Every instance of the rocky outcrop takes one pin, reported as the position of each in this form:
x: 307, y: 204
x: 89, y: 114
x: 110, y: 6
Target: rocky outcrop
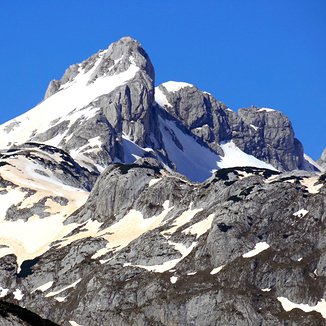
x: 322, y: 160
x: 268, y: 135
x: 86, y: 239
x: 198, y: 111
x: 118, y: 112
x: 127, y: 108
x: 264, y: 133
x: 53, y: 160
x: 189, y: 259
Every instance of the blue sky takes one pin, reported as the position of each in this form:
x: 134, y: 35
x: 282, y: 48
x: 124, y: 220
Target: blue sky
x: 245, y: 52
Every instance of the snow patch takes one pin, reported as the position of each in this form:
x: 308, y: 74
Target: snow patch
x: 234, y: 156
x: 73, y: 323
x: 160, y: 98
x: 130, y: 227
x: 60, y: 299
x: 3, y: 292
x: 201, y: 227
x: 183, y: 219
x: 265, y: 110
x: 313, y: 163
x: 18, y: 295
x: 259, y: 247
x: 132, y: 152
x: 173, y: 279
x: 167, y: 266
x: 289, y: 305
x: 44, y: 287
x: 52, y: 294
x: 154, y: 181
x: 309, y: 183
x: 173, y: 86
x: 216, y: 270
x: 266, y: 290
x: 301, y: 213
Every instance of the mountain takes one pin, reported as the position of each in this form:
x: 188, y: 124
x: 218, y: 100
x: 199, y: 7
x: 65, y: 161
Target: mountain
x: 126, y: 204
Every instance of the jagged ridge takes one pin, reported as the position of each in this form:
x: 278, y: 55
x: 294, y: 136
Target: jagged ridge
x: 88, y: 239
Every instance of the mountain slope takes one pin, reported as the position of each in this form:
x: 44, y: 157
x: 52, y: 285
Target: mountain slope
x: 107, y: 101
x: 150, y: 243
x: 125, y: 204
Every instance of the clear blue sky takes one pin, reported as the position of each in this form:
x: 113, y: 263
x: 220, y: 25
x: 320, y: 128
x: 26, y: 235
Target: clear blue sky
x: 267, y: 53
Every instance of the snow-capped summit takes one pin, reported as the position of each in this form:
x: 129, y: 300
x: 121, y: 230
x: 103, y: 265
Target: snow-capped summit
x: 103, y: 110
x: 125, y: 204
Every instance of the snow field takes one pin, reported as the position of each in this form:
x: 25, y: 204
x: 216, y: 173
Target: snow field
x: 197, y: 162
x: 32, y: 238
x: 66, y: 104
x: 201, y: 227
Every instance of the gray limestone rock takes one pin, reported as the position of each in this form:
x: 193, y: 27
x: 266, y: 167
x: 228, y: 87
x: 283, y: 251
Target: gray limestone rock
x: 269, y: 136
x: 247, y: 210
x: 52, y: 88
x: 189, y: 259
x: 264, y: 133
x: 250, y: 206
x: 322, y: 160
x: 200, y: 113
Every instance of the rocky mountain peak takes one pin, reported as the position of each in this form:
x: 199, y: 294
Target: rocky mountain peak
x: 121, y: 208
x: 115, y: 60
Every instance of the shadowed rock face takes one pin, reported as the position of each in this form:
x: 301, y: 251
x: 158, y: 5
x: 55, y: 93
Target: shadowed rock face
x: 97, y: 227
x: 13, y: 315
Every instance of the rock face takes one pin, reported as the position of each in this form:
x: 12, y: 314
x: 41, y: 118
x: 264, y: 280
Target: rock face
x: 264, y: 133
x: 268, y: 135
x: 106, y: 110
x: 167, y: 251
x: 322, y: 160
x: 125, y: 204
